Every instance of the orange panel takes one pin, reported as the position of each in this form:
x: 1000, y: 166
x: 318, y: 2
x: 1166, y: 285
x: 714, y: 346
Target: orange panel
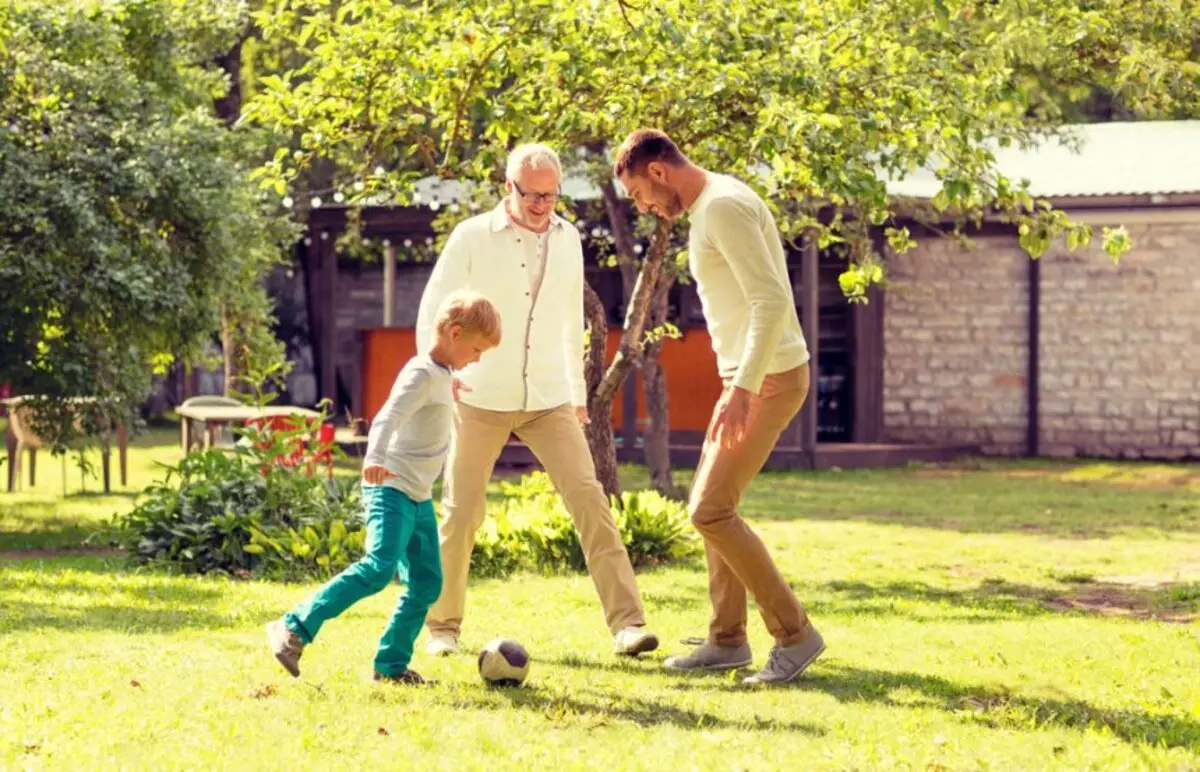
x: 691, y: 366
x: 384, y: 352
x: 693, y: 384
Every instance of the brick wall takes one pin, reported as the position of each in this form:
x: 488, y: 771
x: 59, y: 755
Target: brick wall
x: 955, y: 345
x: 1120, y: 347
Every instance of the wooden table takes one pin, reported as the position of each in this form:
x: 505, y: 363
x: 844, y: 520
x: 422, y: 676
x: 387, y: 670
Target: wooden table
x: 213, y: 416
x: 19, y: 437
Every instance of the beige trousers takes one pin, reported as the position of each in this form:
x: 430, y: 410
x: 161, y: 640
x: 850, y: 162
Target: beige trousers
x: 737, y: 558
x: 557, y: 439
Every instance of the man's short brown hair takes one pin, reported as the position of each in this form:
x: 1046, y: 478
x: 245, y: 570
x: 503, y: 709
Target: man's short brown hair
x: 644, y: 146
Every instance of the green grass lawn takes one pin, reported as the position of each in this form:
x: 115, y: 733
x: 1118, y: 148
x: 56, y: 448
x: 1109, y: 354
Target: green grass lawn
x: 991, y: 615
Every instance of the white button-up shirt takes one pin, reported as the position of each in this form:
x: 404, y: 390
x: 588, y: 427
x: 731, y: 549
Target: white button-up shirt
x: 539, y: 363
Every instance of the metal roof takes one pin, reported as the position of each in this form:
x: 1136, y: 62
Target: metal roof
x: 1114, y: 159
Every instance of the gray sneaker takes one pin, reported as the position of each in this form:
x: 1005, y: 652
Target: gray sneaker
x: 709, y: 656
x: 285, y: 645
x: 785, y: 663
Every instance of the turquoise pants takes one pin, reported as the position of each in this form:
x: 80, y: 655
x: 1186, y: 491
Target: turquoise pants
x: 402, y: 539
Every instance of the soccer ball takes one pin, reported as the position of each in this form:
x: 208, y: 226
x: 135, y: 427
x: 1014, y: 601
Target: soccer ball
x: 503, y: 662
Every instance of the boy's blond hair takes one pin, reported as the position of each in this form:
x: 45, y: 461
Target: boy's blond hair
x: 472, y: 312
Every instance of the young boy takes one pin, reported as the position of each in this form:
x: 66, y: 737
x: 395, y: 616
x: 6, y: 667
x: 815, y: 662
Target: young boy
x: 406, y: 449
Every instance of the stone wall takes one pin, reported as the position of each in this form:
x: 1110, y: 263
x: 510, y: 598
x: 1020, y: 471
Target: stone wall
x: 956, y: 345
x: 1119, y: 353
x: 1120, y: 348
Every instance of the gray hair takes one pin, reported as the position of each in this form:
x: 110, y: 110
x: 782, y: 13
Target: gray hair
x: 531, y: 156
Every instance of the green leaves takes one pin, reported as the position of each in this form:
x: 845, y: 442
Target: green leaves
x: 126, y: 222
x: 1116, y: 242
x: 234, y: 514
x: 531, y: 530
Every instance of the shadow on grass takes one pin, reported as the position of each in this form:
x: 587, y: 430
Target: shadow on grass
x: 592, y: 708
x: 995, y: 599
x: 990, y: 601
x: 94, y: 598
x: 677, y: 602
x: 128, y: 620
x: 58, y: 522
x: 648, y: 664
x: 993, y: 707
x: 973, y: 501
x: 999, y: 708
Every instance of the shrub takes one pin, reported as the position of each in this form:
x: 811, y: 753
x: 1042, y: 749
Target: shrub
x: 243, y: 513
x: 238, y: 514
x: 531, y: 530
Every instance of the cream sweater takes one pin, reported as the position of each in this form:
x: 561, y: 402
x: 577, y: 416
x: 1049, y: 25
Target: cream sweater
x: 539, y: 363
x: 737, y: 258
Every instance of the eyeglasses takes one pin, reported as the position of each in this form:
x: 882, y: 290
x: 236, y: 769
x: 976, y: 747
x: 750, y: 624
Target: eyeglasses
x: 540, y: 198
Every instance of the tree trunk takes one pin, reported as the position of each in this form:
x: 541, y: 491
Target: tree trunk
x: 603, y: 389
x: 657, y: 438
x: 229, y: 106
x: 618, y: 219
x: 229, y: 109
x: 599, y: 432
x: 229, y: 348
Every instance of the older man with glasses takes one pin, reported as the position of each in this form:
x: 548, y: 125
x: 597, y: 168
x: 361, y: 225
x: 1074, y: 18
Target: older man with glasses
x: 529, y: 263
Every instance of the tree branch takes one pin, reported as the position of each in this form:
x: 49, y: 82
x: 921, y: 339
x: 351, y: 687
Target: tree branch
x: 630, y: 349
x: 625, y: 7
x: 622, y: 235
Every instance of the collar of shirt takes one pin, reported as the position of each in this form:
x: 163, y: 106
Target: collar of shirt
x: 501, y: 219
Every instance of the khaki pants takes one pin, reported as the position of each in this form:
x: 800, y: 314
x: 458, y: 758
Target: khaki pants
x: 737, y: 559
x: 557, y: 439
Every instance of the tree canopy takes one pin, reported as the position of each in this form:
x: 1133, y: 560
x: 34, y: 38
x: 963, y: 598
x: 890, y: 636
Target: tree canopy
x: 817, y: 104
x: 127, y: 219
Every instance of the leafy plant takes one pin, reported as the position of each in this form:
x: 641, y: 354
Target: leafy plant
x: 246, y: 514
x: 250, y: 512
x: 531, y: 530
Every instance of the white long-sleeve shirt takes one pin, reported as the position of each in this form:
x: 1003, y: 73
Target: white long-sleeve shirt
x: 539, y: 363
x: 736, y: 255
x: 410, y: 435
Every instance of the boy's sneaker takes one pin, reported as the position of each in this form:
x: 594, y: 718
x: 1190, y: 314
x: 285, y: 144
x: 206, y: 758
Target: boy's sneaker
x: 785, y: 663
x: 285, y: 645
x: 634, y: 640
x: 442, y: 645
x: 407, y: 678
x: 709, y: 656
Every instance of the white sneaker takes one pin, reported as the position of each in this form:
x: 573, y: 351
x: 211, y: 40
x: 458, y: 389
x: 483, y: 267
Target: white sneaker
x: 634, y: 640
x: 442, y: 645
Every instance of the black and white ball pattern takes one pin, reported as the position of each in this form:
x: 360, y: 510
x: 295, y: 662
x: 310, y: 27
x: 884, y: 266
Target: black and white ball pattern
x: 503, y: 662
